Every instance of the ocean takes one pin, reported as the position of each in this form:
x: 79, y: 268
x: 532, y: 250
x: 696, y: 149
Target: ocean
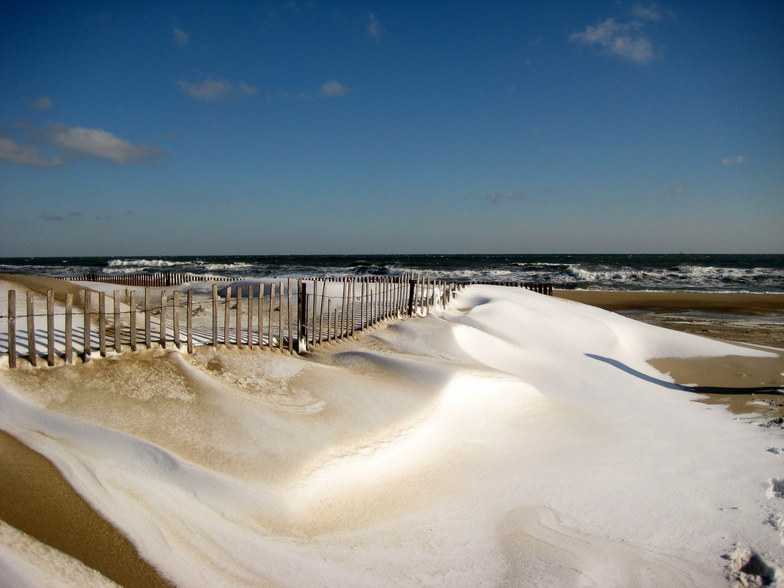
x: 707, y: 273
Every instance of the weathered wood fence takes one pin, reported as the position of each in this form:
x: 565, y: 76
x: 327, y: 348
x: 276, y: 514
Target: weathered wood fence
x: 152, y: 280
x: 292, y: 315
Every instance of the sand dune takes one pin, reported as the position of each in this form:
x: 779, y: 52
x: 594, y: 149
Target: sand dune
x: 514, y: 439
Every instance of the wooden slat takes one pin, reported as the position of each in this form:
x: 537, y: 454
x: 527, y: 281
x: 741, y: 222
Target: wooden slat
x: 102, y: 323
x: 162, y: 323
x: 12, y: 328
x: 87, y: 343
x: 189, y: 322
x: 226, y: 316
x: 32, y: 353
x: 117, y: 323
x: 215, y: 315
x: 50, y: 327
x: 176, y: 317
x: 69, y: 328
x: 147, y: 319
x: 132, y: 318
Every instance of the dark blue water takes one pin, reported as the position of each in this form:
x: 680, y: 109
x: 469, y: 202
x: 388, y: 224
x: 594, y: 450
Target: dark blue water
x: 730, y: 273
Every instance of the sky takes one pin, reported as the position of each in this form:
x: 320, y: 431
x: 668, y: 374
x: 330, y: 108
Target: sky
x: 197, y: 128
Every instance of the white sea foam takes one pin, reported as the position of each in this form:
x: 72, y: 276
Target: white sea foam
x: 513, y: 439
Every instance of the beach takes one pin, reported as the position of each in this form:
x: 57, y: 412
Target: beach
x: 508, y: 438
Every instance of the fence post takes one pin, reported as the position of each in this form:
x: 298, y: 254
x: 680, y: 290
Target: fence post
x: 215, y: 316
x: 226, y: 315
x: 147, y: 323
x: 32, y: 354
x: 261, y: 315
x: 329, y: 321
x: 238, y: 319
x: 69, y: 328
x: 50, y: 327
x: 189, y: 321
x: 117, y: 328
x: 280, y: 316
x: 321, y: 314
x: 162, y: 323
x: 176, y: 317
x: 132, y: 318
x: 102, y: 323
x: 302, y: 318
x: 411, y: 288
x: 12, y: 328
x: 271, y: 315
x: 289, y: 317
x: 87, y: 344
x: 250, y: 317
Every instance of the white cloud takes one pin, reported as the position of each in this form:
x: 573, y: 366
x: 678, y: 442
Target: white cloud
x: 208, y: 90
x: 737, y: 160
x: 10, y: 151
x: 333, y: 89
x: 677, y: 191
x: 373, y: 27
x: 42, y: 103
x: 650, y: 13
x: 101, y: 144
x: 181, y: 37
x: 216, y: 90
x: 247, y: 89
x: 625, y: 40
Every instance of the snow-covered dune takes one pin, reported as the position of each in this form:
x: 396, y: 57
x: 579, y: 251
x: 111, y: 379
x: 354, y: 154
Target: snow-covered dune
x: 514, y: 439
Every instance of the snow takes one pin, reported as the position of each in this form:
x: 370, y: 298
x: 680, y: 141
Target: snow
x: 512, y: 439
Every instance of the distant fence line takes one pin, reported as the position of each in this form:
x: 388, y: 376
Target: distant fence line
x: 283, y: 315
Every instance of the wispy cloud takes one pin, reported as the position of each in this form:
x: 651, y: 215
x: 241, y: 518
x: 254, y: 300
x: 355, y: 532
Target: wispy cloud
x: 50, y: 216
x: 216, y: 90
x: 181, y: 38
x: 373, y: 27
x: 333, y: 89
x: 42, y: 103
x: 30, y: 156
x: 650, y: 13
x: 501, y: 196
x: 81, y: 141
x: 677, y: 191
x: 737, y: 160
x: 626, y: 40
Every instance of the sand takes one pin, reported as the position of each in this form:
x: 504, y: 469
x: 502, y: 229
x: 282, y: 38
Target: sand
x: 35, y: 498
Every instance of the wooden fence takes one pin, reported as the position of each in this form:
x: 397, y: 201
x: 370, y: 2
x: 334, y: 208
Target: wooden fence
x: 292, y: 315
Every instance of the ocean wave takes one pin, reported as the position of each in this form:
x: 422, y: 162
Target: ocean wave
x: 143, y: 263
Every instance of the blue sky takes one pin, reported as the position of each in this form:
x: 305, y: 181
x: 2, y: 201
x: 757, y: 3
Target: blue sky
x: 166, y: 128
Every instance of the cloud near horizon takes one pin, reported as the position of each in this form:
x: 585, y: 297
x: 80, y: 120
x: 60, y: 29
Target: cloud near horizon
x: 737, y: 160
x: 30, y: 156
x: 50, y: 216
x: 42, y: 103
x: 625, y: 40
x: 81, y: 141
x: 373, y: 27
x: 333, y: 89
x: 181, y: 37
x: 498, y: 196
x: 216, y: 90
